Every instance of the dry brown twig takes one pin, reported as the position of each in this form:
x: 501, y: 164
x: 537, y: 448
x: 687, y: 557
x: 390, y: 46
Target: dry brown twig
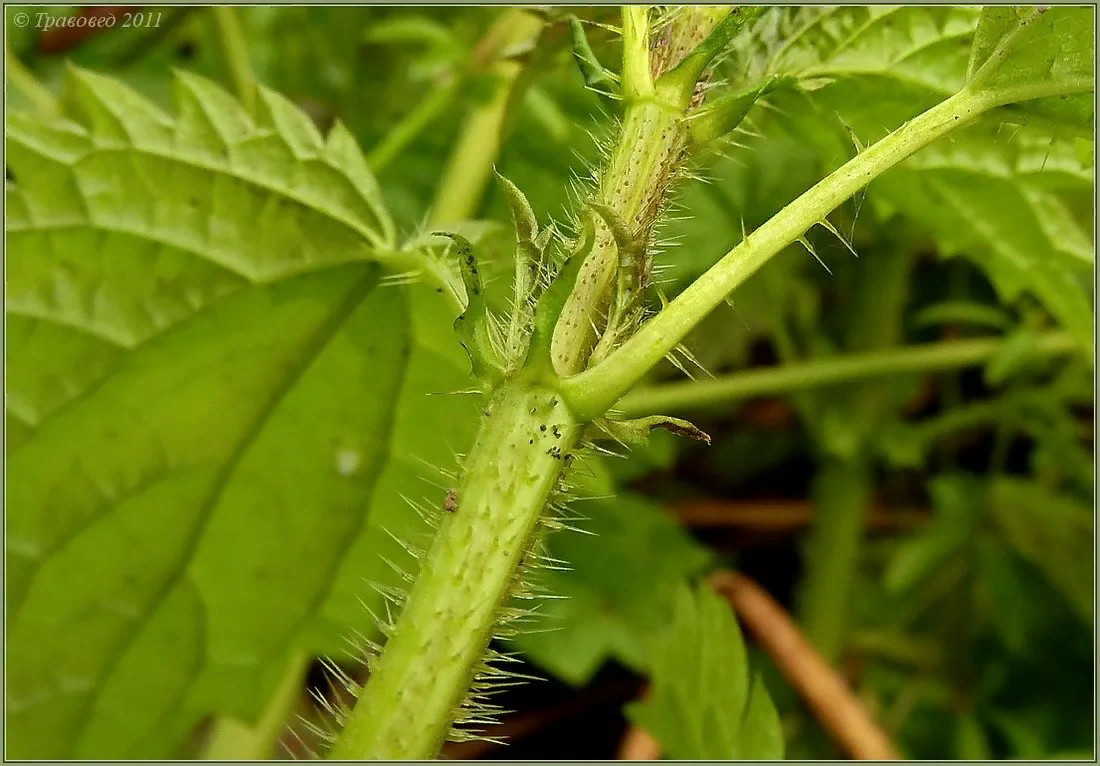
x: 779, y: 515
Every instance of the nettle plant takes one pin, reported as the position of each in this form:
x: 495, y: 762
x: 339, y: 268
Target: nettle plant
x: 220, y: 350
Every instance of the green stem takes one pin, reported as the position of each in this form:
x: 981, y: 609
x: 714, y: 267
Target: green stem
x: 414, y: 693
x: 35, y: 92
x: 597, y: 389
x: 842, y: 495
x: 232, y: 740
x: 412, y: 124
x: 470, y: 165
x: 802, y: 376
x: 235, y: 53
x: 652, y: 136
x: 637, y: 79
x: 843, y: 489
x: 646, y: 159
x: 525, y: 441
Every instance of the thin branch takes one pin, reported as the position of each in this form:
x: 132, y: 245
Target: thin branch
x: 477, y: 147
x: 779, y: 515
x: 594, y: 391
x: 235, y: 53
x: 800, y: 376
x: 639, y: 745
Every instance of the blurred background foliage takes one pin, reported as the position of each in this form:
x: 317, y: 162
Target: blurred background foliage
x: 959, y: 603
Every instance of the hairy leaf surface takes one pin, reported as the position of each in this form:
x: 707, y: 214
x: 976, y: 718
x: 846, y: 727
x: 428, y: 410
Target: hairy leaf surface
x: 1011, y: 192
x: 216, y: 407
x: 876, y: 66
x: 1044, y: 57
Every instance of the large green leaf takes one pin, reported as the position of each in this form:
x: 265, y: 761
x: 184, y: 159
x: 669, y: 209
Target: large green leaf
x: 702, y: 702
x: 879, y: 65
x: 875, y: 66
x: 1017, y: 200
x: 214, y: 407
x: 1017, y: 205
x: 1042, y: 56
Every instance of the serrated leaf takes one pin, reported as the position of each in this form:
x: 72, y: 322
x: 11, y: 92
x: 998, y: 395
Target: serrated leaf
x: 880, y: 65
x: 1009, y: 206
x: 1037, y: 53
x: 914, y: 44
x: 876, y: 65
x: 218, y: 409
x: 701, y: 704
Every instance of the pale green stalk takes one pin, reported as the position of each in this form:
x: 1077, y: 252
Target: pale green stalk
x: 523, y: 446
x: 643, y: 163
x: 841, y: 496
x: 470, y: 165
x: 698, y: 395
x: 636, y: 76
x: 845, y: 483
x: 235, y: 53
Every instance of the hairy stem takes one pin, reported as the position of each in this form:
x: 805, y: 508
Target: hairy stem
x: 700, y: 395
x: 470, y: 165
x: 415, y: 690
x: 440, y: 640
x: 235, y: 53
x: 597, y: 389
x: 647, y: 158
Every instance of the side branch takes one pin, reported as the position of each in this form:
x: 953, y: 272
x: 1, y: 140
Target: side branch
x: 594, y: 391
x: 768, y: 381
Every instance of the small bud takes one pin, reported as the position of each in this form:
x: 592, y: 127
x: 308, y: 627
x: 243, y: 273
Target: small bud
x: 637, y: 431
